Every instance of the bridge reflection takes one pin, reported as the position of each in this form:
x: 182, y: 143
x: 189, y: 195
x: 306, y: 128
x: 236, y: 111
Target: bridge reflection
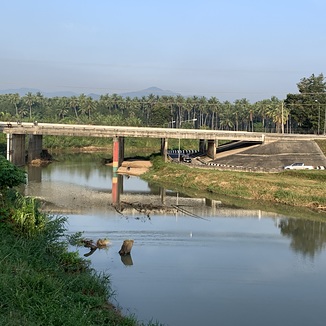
x: 73, y: 198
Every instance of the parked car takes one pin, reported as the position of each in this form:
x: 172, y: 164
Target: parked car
x: 298, y: 166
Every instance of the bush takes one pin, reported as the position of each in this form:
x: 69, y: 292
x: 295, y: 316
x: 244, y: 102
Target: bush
x: 10, y: 175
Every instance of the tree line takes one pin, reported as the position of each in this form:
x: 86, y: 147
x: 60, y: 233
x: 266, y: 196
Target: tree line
x: 304, y: 112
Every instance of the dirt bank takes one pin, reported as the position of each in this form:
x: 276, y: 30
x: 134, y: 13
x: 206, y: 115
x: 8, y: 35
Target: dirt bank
x: 134, y: 167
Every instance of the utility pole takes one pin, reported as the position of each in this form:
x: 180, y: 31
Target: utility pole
x: 325, y: 121
x: 318, y: 127
x: 282, y: 119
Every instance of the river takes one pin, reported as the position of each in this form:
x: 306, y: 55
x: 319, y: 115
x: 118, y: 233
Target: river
x: 194, y: 261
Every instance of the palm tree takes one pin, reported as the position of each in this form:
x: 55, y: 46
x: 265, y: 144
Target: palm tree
x: 151, y: 100
x: 105, y: 101
x: 22, y: 112
x: 90, y: 105
x: 15, y: 100
x: 180, y: 102
x: 214, y: 104
x: 116, y: 101
x: 30, y: 100
x: 203, y: 111
x: 278, y: 113
x: 73, y: 104
x: 262, y: 108
x: 226, y: 122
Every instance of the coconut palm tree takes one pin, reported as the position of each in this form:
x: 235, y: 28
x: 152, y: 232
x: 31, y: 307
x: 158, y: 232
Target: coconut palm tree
x: 214, y: 105
x: 29, y: 100
x: 90, y: 105
x: 73, y: 104
x: 227, y: 122
x: 278, y: 113
x: 62, y: 108
x: 14, y: 99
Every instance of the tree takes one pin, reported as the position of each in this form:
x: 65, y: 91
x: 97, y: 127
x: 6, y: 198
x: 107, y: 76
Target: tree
x: 305, y: 107
x: 14, y: 99
x: 214, y: 105
x: 90, y: 106
x: 278, y: 113
x: 62, y: 108
x: 226, y: 122
x: 312, y: 85
x: 29, y: 100
x: 160, y: 115
x: 73, y: 104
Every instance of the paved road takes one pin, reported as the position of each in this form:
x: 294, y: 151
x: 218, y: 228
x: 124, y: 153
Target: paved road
x: 274, y: 155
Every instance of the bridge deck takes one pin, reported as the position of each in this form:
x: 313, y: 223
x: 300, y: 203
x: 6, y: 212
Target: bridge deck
x: 144, y: 132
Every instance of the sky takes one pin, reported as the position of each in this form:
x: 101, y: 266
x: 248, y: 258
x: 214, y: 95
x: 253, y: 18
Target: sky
x: 230, y: 49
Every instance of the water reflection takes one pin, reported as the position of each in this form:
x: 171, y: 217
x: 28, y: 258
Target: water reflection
x: 206, y: 263
x: 133, y: 198
x: 127, y: 260
x: 307, y: 237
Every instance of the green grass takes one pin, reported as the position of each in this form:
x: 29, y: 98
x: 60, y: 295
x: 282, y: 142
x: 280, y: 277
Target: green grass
x: 305, y: 189
x: 41, y: 282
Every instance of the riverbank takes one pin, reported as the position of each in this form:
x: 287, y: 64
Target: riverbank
x: 42, y: 282
x: 294, y: 188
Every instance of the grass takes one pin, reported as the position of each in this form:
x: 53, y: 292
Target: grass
x: 41, y: 282
x: 293, y: 188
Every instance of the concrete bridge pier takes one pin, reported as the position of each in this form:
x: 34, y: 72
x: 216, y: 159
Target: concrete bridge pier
x: 164, y: 149
x: 35, y: 145
x: 211, y: 148
x: 208, y: 148
x: 118, y: 157
x: 16, y: 149
x: 117, y: 188
x: 118, y: 152
x: 202, y: 146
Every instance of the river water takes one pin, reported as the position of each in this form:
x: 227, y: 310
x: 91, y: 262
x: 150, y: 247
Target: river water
x: 196, y: 262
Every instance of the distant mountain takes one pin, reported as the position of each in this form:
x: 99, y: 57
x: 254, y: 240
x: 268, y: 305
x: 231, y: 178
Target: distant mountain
x: 145, y: 92
x: 20, y: 91
x: 24, y: 91
x: 148, y: 91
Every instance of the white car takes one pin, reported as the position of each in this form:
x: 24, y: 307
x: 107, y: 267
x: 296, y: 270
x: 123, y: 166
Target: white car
x: 298, y: 166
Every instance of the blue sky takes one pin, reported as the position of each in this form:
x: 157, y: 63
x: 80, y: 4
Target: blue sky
x: 230, y: 49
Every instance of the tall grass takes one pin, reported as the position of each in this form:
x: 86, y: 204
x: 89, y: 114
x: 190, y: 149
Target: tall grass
x: 27, y: 216
x: 41, y: 282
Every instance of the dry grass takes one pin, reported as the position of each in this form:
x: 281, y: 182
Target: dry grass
x: 295, y: 188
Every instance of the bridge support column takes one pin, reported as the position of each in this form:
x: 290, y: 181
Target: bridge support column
x: 117, y: 186
x: 164, y: 149
x: 34, y: 147
x: 16, y: 149
x: 118, y: 152
x: 211, y: 148
x: 202, y: 146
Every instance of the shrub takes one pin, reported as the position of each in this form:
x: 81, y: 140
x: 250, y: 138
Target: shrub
x: 10, y: 175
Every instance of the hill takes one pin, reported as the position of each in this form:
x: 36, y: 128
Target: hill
x: 145, y: 92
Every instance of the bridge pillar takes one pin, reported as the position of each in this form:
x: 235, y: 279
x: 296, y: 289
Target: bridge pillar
x: 202, y: 146
x: 118, y: 153
x: 34, y: 147
x: 16, y: 149
x: 164, y: 149
x: 211, y: 148
x: 117, y: 188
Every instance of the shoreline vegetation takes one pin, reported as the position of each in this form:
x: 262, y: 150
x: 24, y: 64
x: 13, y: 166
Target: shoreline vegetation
x: 41, y: 281
x: 304, y: 188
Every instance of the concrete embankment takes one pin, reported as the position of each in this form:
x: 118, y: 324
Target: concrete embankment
x: 273, y: 155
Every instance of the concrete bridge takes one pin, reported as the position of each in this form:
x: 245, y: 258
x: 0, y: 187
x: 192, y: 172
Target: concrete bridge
x: 208, y: 139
